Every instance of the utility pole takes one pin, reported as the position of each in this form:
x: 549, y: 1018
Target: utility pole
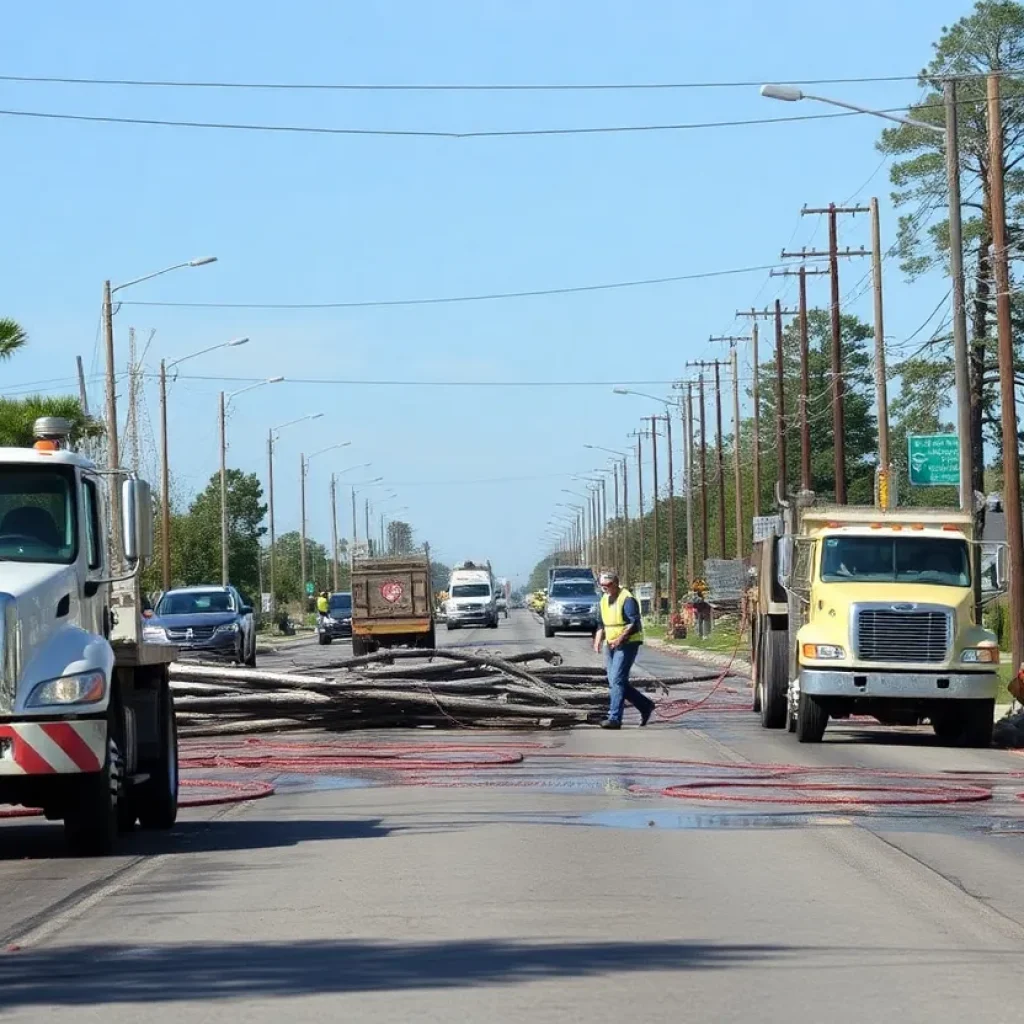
x: 639, y: 435
x: 688, y: 449
x: 657, y: 550
x: 756, y: 395
x: 881, y: 390
x: 780, y: 398
x: 716, y: 365
x: 805, y: 374
x: 1011, y: 453
x: 334, y: 532
x: 302, y: 531
x: 704, y: 545
x: 838, y: 387
x: 673, y: 582
x: 165, y: 484
x: 113, y: 453
x: 961, y: 369
x: 737, y: 468
x: 269, y: 503
x: 625, y: 521
x: 83, y: 395
x: 355, y: 524
x: 617, y: 540
x: 223, y: 495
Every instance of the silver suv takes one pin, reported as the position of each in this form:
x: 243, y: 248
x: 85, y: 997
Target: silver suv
x: 572, y: 605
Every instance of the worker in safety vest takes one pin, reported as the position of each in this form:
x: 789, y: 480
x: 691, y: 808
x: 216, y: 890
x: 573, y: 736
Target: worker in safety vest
x: 323, y: 605
x: 623, y: 634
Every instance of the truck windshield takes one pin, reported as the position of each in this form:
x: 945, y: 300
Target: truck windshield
x: 471, y: 590
x: 895, y: 560
x: 37, y: 514
x: 573, y: 590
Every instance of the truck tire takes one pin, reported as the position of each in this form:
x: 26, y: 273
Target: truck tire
x: 773, y: 679
x: 548, y: 632
x: 811, y: 719
x: 493, y: 624
x: 967, y: 724
x: 757, y: 654
x: 323, y: 639
x: 157, y: 799
x: 429, y: 642
x: 91, y: 820
x: 358, y: 646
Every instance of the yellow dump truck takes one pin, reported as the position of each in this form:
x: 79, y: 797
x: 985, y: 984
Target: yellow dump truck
x: 860, y: 611
x: 392, y: 604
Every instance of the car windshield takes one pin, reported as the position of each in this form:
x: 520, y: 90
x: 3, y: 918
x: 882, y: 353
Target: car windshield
x: 581, y: 589
x: 471, y: 590
x: 895, y: 560
x: 341, y: 604
x: 37, y: 514
x: 561, y: 574
x: 184, y: 602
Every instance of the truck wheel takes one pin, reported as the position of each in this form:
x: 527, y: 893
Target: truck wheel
x: 548, y: 632
x: 811, y: 719
x: 91, y: 821
x: 323, y: 639
x: 430, y: 640
x: 493, y: 624
x: 773, y: 678
x: 967, y: 723
x: 757, y: 671
x: 157, y: 799
x: 358, y: 646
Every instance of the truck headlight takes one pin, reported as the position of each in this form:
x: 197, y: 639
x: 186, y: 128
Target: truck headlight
x: 823, y: 652
x: 83, y: 688
x: 154, y: 634
x: 228, y: 627
x: 980, y: 656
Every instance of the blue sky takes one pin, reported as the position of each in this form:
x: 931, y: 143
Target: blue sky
x: 298, y: 218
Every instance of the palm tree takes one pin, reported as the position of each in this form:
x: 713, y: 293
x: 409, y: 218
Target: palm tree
x: 12, y: 337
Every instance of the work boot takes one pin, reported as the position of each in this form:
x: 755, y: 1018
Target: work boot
x: 645, y: 715
x: 609, y: 724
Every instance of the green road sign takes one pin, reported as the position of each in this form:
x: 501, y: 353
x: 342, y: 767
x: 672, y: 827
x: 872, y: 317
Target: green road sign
x: 309, y: 588
x: 934, y: 460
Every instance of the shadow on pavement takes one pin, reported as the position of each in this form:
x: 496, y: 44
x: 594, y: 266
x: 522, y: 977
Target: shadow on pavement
x: 84, y: 975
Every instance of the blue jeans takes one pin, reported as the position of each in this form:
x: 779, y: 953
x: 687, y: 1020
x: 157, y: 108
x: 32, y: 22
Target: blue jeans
x: 618, y: 663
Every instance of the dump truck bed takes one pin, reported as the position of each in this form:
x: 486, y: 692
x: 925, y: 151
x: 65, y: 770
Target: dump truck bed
x: 391, y: 597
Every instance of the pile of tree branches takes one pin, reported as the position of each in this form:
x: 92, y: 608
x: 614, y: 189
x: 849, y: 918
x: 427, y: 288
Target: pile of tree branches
x: 394, y: 688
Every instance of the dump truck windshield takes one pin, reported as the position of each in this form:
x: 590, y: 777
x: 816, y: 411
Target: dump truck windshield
x: 939, y: 561
x: 37, y: 514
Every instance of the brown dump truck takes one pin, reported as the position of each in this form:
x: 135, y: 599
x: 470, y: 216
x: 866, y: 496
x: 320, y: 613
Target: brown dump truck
x: 392, y: 603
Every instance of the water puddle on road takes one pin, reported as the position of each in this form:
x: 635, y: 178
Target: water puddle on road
x: 298, y: 783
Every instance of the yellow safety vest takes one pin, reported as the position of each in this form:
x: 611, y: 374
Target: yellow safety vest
x: 614, y: 621
x: 322, y: 605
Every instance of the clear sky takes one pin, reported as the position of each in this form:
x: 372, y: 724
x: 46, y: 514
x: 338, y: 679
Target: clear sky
x: 299, y: 218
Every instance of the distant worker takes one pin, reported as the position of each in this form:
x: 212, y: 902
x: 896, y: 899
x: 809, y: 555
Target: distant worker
x: 323, y: 605
x: 623, y: 632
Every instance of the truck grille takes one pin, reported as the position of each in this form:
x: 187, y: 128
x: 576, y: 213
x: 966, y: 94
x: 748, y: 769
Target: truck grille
x: 198, y: 633
x: 884, y: 634
x: 579, y: 609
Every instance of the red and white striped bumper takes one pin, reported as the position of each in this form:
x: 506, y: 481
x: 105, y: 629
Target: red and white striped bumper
x: 52, y: 748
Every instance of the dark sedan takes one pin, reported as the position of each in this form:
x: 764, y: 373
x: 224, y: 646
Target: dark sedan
x: 211, y: 621
x: 337, y: 623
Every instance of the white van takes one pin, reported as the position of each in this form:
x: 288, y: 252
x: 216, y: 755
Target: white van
x: 472, y: 596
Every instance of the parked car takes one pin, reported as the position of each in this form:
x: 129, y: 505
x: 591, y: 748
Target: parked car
x: 994, y: 502
x: 337, y: 623
x: 208, y: 620
x: 572, y: 605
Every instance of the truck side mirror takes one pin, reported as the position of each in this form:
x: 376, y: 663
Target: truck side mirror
x: 137, y: 520
x: 994, y: 569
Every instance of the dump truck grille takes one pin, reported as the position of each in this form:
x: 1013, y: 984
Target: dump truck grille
x: 885, y: 634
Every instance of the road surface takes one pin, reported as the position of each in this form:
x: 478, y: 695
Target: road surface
x: 559, y: 894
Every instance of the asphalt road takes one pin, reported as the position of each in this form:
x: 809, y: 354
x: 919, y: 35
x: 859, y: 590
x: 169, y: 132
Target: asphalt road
x: 559, y: 893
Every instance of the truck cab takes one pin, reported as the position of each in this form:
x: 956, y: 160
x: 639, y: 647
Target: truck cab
x: 881, y: 621
x: 87, y: 729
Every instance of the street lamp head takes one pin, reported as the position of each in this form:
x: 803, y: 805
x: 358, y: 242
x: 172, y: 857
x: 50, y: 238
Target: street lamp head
x: 273, y: 380
x: 315, y: 416
x: 237, y: 342
x: 788, y: 93
x: 620, y: 391
x: 202, y: 261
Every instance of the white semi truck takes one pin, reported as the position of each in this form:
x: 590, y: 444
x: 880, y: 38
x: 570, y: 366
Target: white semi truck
x: 87, y: 728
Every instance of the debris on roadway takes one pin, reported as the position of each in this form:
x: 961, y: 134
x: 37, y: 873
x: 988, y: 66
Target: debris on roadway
x: 396, y: 688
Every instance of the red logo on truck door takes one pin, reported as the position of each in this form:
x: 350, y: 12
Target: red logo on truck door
x: 392, y: 591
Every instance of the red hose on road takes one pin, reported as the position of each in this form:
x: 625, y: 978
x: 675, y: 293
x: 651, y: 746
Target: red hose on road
x: 819, y: 793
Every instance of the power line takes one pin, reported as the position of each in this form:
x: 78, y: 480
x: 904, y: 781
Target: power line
x: 484, y: 297
x: 335, y: 381
x: 428, y: 134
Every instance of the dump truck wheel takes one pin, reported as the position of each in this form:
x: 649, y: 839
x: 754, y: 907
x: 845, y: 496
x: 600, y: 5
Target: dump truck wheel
x: 157, y: 800
x: 811, y: 719
x: 758, y: 672
x: 773, y: 678
x: 967, y: 724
